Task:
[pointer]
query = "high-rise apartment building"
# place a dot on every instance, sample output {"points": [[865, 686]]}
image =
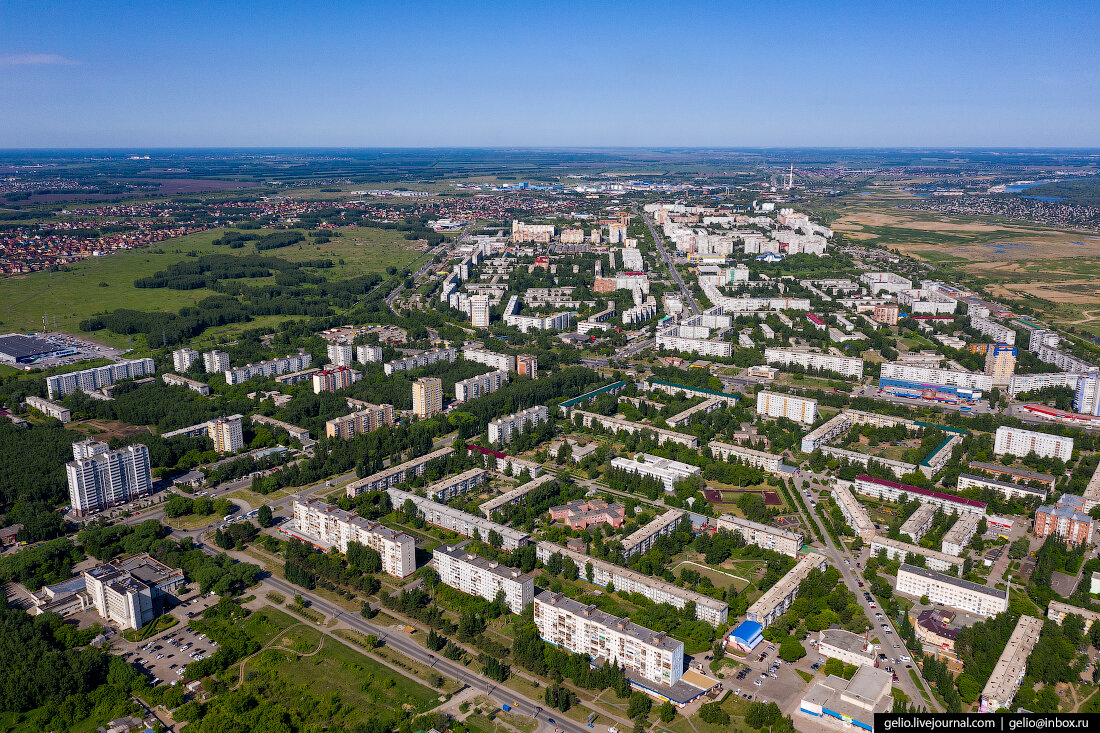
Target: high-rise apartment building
{"points": [[100, 478], [527, 365], [777, 404], [503, 362], [331, 526], [504, 428], [215, 361], [365, 420], [427, 397], [89, 380], [340, 354], [484, 578], [479, 311], [1086, 398], [331, 380], [1000, 363], [227, 434], [1019, 442], [368, 354], [182, 359], [479, 386], [886, 313]]}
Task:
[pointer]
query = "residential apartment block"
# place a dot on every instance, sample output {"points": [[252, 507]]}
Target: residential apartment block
{"points": [[479, 386], [812, 360], [956, 539], [575, 627], [394, 475], [527, 365], [764, 535], [416, 361], [896, 550], [854, 513], [100, 478], [458, 521], [218, 361], [1010, 490], [477, 576], [749, 456], [929, 375], [328, 526], [340, 354], [777, 599], [777, 404], [893, 491], [516, 495], [503, 429], [49, 409], [89, 380], [335, 379], [1019, 442], [175, 380], [502, 362], [366, 420], [641, 539], [273, 367], [951, 591], [919, 522], [427, 394], [368, 354], [1007, 675], [1067, 518], [615, 424], [182, 359], [227, 433], [453, 486], [665, 469]]}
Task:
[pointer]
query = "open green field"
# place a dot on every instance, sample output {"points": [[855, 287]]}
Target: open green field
{"points": [[77, 293]]}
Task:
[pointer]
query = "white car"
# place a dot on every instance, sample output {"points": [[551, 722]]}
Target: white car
{"points": [[756, 682]]}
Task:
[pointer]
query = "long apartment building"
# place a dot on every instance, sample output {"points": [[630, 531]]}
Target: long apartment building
{"points": [[1020, 442], [678, 338], [1010, 490], [516, 495], [929, 375], [897, 550], [479, 386], [956, 539], [707, 609], [659, 385], [1063, 360], [458, 521], [893, 491], [854, 513], [50, 409], [478, 576], [843, 365], [89, 380], [1019, 474], [394, 475], [553, 322], [175, 380], [919, 522], [325, 526], [581, 629], [778, 404], [1057, 612], [763, 535], [684, 416], [453, 486], [100, 478], [292, 363], [641, 539], [749, 456], [366, 420], [1004, 683], [502, 362], [997, 332], [777, 599], [960, 594], [416, 361], [503, 429], [1020, 383], [616, 424], [665, 469]]}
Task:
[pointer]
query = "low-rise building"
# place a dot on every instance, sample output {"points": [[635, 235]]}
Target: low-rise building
{"points": [[847, 647], [581, 514], [453, 486], [958, 537], [749, 456], [777, 599], [665, 469], [854, 513], [849, 704], [516, 495], [52, 409], [896, 550], [581, 629], [1057, 612], [175, 380], [1004, 683], [763, 535], [327, 526], [394, 475], [616, 424], [919, 522], [641, 539], [950, 591], [458, 521], [1010, 490], [477, 576]]}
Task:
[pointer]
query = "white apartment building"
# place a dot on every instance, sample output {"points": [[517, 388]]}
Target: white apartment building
{"points": [[641, 539], [1057, 612], [707, 609], [844, 365], [1086, 398], [1063, 360], [394, 475], [273, 367], [665, 469], [459, 521], [100, 478], [1019, 442], [368, 354], [330, 526], [366, 420], [1021, 383], [515, 496], [961, 594], [501, 362], [616, 424], [777, 404], [919, 522], [928, 375], [227, 433], [427, 393], [553, 322], [218, 361], [854, 513], [969, 481], [89, 380], [175, 380], [50, 409], [479, 386], [182, 359], [671, 339], [893, 491], [458, 485], [763, 535], [995, 331], [340, 355], [896, 550], [479, 311], [477, 576], [416, 361], [581, 629], [1007, 675], [878, 282], [958, 537], [749, 456], [777, 599], [503, 429]]}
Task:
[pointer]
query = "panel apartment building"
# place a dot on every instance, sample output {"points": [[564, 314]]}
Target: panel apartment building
{"points": [[749, 456], [1067, 518], [951, 591], [665, 469], [707, 609], [458, 521], [89, 380], [571, 625], [1005, 681], [897, 550], [366, 420], [766, 536], [453, 486], [843, 365], [394, 475], [777, 599], [615, 424], [478, 576], [1019, 442], [100, 478], [273, 367], [479, 386], [777, 404], [504, 428], [327, 526], [854, 513], [416, 361], [502, 362]]}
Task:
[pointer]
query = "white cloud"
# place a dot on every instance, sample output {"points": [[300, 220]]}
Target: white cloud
{"points": [[35, 59]]}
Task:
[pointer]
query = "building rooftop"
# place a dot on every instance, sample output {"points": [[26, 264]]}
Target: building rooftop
{"points": [[786, 585], [913, 490], [658, 639], [749, 524], [1005, 484], [509, 496], [501, 571], [916, 550], [398, 498], [1018, 472], [1010, 667], [847, 641], [639, 535], [966, 584], [936, 621]]}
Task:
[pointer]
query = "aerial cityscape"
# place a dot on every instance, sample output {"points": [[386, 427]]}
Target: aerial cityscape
{"points": [[463, 420]]}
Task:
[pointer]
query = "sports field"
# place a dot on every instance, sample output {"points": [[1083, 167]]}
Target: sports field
{"points": [[106, 283]]}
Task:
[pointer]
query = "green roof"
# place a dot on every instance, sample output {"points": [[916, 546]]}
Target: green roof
{"points": [[727, 395], [594, 393]]}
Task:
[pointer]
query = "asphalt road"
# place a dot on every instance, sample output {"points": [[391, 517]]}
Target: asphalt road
{"points": [[688, 297]]}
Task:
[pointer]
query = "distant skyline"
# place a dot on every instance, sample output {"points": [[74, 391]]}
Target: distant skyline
{"points": [[525, 74]]}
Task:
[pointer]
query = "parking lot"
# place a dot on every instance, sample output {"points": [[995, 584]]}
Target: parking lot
{"points": [[162, 657], [769, 679]]}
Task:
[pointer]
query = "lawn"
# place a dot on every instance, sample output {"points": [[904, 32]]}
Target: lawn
{"points": [[106, 283]]}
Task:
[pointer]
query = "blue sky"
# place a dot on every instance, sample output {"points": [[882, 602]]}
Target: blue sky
{"points": [[95, 74]]}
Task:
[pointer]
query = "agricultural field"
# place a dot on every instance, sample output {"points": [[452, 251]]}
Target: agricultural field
{"points": [[100, 284]]}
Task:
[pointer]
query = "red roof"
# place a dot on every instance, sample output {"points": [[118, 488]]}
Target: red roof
{"points": [[815, 319], [922, 492], [486, 451]]}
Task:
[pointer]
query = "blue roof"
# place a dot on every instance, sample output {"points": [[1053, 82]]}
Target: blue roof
{"points": [[748, 634]]}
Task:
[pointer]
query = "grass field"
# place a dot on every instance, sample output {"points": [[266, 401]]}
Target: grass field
{"points": [[74, 295]]}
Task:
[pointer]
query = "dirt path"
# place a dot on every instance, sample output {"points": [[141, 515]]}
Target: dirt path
{"points": [[273, 644]]}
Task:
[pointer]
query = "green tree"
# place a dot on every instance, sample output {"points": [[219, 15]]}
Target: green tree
{"points": [[263, 516], [667, 712]]}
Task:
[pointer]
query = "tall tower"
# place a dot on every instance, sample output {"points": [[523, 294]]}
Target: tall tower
{"points": [[790, 178]]}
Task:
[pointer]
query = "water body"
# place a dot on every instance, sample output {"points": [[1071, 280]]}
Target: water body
{"points": [[1017, 187]]}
